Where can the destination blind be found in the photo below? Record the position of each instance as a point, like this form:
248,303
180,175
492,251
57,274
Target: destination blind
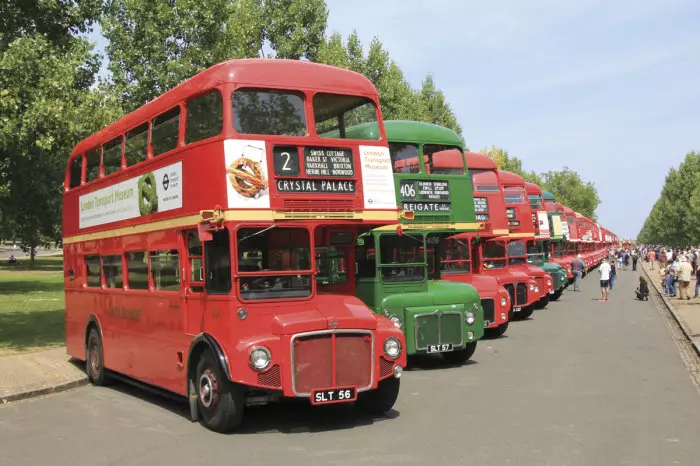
425,196
328,162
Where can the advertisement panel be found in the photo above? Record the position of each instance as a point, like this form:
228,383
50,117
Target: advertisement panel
377,178
156,191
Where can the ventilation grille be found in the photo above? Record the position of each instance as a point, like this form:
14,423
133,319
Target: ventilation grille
270,378
386,368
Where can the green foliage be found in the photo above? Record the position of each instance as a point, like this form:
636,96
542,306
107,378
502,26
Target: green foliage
398,99
154,45
675,218
47,106
566,185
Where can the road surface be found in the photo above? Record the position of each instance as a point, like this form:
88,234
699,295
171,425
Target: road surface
581,383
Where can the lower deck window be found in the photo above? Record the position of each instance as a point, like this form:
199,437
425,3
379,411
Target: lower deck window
165,270
92,271
112,270
137,270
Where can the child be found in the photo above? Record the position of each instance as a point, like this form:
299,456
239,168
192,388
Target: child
642,290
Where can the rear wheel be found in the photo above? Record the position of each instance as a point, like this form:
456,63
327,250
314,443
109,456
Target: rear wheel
459,357
381,399
94,359
525,313
220,402
497,331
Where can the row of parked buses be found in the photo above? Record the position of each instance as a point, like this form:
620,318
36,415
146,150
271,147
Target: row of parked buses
259,232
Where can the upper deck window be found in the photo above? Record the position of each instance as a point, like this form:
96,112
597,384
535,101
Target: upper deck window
266,256
484,181
112,156
404,157
335,113
93,164
513,196
136,145
535,201
76,172
277,113
164,131
205,118
443,160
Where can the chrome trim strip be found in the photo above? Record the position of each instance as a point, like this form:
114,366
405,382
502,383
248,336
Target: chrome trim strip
439,314
329,332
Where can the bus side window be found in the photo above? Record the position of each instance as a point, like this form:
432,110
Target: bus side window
92,271
204,117
137,270
112,270
366,259
165,270
136,144
217,263
112,156
164,131
93,165
76,171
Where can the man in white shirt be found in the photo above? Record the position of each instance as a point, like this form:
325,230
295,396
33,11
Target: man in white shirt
604,271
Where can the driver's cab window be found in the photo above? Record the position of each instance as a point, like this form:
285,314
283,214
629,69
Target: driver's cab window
455,256
517,254
331,252
402,257
443,160
365,257
218,263
274,263
535,252
494,255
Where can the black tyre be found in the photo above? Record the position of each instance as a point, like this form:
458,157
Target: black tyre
525,313
380,400
459,357
220,403
557,294
94,359
496,332
542,302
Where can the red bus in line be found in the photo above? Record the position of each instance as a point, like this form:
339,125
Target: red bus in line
209,242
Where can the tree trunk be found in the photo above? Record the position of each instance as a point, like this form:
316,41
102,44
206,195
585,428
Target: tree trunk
32,255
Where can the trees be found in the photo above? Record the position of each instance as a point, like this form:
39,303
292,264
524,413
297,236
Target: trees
566,184
675,218
154,46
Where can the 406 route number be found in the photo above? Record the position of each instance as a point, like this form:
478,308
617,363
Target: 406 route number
408,190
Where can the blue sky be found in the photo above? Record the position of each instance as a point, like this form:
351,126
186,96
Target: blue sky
608,88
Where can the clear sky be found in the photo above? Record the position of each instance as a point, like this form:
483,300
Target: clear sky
610,88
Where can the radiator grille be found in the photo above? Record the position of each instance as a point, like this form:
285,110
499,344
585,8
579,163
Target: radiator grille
489,310
510,288
314,357
521,294
438,328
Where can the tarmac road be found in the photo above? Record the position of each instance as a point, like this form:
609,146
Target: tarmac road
581,383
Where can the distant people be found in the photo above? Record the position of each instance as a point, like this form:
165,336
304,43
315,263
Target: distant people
635,258
577,266
642,290
604,271
613,273
13,259
685,271
652,257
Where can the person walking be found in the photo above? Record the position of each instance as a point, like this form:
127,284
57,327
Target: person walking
613,273
685,271
652,257
604,271
577,266
635,258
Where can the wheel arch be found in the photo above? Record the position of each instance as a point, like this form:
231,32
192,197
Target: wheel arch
92,322
202,342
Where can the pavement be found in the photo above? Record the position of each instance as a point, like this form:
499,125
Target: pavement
38,373
581,383
686,313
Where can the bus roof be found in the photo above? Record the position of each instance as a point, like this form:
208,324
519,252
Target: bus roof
407,131
548,196
533,188
510,178
477,161
262,72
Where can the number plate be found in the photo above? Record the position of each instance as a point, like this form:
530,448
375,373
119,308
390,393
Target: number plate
517,309
333,395
439,348
551,291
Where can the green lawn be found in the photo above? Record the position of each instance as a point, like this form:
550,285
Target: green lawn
31,306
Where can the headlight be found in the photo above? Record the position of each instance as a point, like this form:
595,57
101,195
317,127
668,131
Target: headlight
392,348
549,282
503,301
398,323
470,318
537,289
532,287
260,358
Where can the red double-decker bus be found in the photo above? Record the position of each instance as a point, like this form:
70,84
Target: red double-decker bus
209,242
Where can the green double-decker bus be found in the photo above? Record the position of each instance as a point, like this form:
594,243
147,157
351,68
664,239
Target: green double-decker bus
399,272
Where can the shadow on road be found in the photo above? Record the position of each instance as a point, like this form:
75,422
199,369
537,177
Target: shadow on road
289,416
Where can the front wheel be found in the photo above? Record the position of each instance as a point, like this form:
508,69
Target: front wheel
542,303
220,402
496,332
557,294
459,357
381,399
